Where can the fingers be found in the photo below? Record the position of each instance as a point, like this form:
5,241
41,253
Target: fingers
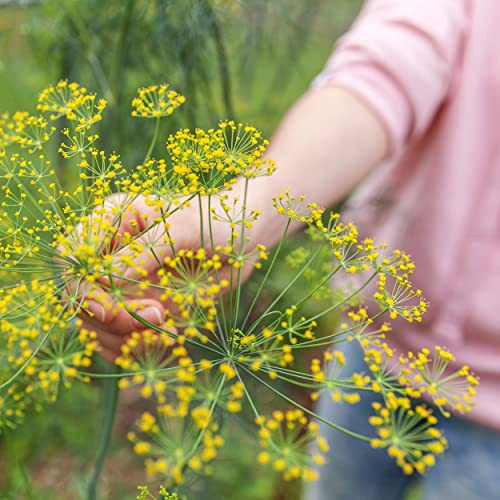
112,325
118,320
110,346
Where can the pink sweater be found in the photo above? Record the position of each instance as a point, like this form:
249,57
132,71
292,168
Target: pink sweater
430,70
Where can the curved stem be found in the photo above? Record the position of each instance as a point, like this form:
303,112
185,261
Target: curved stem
283,292
266,276
306,410
154,140
111,393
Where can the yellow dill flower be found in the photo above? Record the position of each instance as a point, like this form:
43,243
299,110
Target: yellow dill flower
284,437
407,435
156,101
451,388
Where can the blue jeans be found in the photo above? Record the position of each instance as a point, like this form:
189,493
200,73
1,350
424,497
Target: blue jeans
469,469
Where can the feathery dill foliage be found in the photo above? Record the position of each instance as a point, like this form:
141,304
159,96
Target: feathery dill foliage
203,45
213,353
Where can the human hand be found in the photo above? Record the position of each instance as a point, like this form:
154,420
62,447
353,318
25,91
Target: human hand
144,237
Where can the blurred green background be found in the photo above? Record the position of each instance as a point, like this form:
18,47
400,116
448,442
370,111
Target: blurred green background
243,59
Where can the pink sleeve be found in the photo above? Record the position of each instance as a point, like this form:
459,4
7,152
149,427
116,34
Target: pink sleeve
400,57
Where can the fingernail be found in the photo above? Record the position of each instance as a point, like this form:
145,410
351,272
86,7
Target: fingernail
97,310
150,314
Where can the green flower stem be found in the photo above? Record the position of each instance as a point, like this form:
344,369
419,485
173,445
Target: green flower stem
211,412
242,247
173,335
202,232
153,141
330,275
323,341
268,272
346,299
284,291
111,394
222,325
345,384
306,410
247,394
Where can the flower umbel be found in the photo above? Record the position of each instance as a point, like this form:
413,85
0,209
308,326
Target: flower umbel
216,351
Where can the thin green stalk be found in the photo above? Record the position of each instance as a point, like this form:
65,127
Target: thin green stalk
268,272
314,384
153,141
321,341
200,208
217,276
211,411
345,300
111,394
247,394
306,410
284,291
330,275
242,247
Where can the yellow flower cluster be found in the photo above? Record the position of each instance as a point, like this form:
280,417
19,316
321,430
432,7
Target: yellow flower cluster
74,103
216,349
38,351
217,156
24,130
146,355
283,437
447,387
170,446
156,101
408,432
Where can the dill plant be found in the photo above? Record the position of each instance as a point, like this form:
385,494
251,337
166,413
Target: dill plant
207,47
64,251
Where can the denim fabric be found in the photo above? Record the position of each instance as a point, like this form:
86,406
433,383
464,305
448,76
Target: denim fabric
469,470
